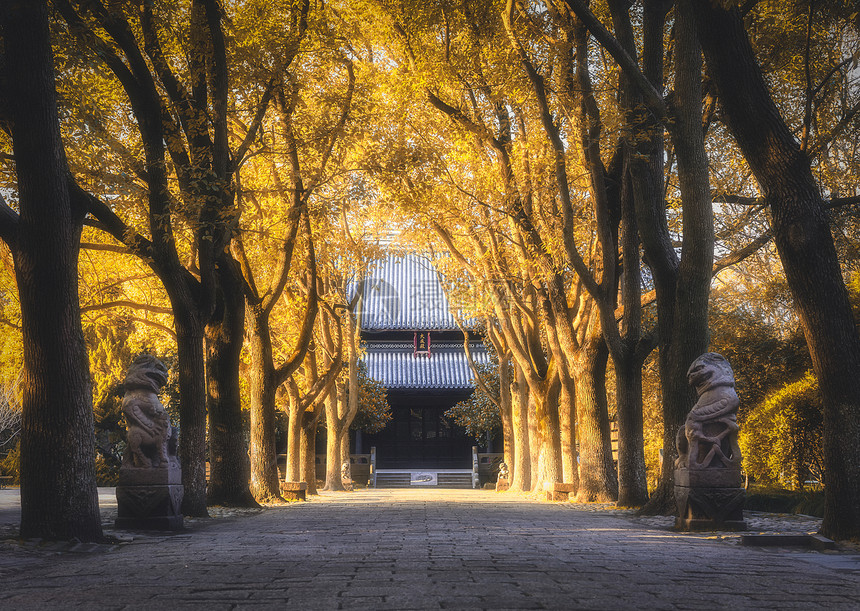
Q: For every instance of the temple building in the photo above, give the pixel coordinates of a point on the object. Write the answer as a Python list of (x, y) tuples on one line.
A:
[(414, 347)]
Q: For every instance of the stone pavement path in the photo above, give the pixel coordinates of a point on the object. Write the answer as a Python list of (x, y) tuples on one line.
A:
[(424, 549)]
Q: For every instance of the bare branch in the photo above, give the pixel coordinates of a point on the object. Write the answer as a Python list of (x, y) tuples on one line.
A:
[(843, 124), (646, 299)]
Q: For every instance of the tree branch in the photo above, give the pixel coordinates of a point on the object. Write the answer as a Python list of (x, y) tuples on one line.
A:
[(285, 258), (341, 122), (126, 304), (123, 250), (741, 254), (460, 118), (652, 98), (256, 122), (178, 94), (837, 202), (112, 224), (154, 324), (323, 384), (479, 379), (289, 367), (840, 127), (834, 202)]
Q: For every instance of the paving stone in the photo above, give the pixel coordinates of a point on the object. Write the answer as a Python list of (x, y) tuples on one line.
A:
[(429, 549)]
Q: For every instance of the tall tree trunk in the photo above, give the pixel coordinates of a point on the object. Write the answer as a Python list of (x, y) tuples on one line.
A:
[(567, 425), (204, 176), (683, 316), (563, 393), (333, 436), (536, 448), (344, 449), (58, 486), (521, 468), (681, 284), (598, 480), (309, 454), (628, 354), (294, 441), (353, 391), (802, 235), (264, 465), (192, 410), (230, 469), (641, 189), (347, 407), (632, 482), (551, 429), (629, 349), (506, 409)]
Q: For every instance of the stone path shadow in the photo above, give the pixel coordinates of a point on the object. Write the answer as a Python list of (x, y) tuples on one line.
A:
[(426, 549)]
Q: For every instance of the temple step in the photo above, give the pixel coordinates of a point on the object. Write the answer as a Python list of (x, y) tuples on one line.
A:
[(393, 480), (454, 480), (439, 479)]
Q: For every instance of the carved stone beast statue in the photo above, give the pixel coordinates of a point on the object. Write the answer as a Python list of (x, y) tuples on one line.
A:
[(709, 437), (707, 474), (151, 440)]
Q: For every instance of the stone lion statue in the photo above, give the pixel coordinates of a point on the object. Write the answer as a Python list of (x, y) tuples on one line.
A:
[(346, 474), (709, 436), (151, 440)]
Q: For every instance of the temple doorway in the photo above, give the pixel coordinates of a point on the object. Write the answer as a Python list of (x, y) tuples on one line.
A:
[(420, 434)]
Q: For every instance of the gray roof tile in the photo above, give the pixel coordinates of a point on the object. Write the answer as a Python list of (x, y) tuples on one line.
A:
[(395, 366), (403, 292)]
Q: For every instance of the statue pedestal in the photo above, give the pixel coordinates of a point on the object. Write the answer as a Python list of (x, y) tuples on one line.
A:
[(149, 498), (294, 491), (558, 491), (709, 499), (502, 485)]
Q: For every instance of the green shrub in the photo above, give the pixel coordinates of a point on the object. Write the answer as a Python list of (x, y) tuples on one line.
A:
[(812, 504), (777, 500), (781, 439)]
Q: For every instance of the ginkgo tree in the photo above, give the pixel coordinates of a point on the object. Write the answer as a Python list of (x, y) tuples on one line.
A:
[(181, 125), (58, 495), (561, 159), (802, 235)]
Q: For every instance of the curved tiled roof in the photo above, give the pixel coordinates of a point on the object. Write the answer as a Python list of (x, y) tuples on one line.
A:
[(403, 292), (395, 366)]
